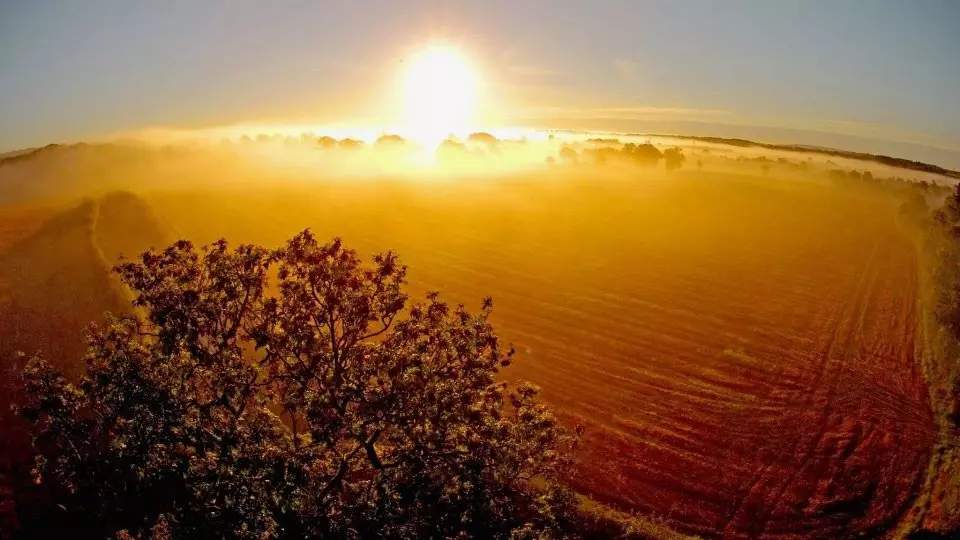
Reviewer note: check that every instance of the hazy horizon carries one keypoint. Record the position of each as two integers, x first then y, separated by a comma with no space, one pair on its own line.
879,80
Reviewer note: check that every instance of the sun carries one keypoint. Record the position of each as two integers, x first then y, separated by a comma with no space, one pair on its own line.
440,93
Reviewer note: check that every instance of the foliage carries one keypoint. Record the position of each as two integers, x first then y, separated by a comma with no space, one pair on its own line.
945,243
569,155
637,154
483,137
673,159
350,144
937,506
451,151
644,154
321,406
326,142
389,141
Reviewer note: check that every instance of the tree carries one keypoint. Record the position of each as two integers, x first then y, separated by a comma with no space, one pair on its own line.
673,159
915,204
644,154
482,137
320,406
568,155
350,144
390,141
603,155
452,151
325,142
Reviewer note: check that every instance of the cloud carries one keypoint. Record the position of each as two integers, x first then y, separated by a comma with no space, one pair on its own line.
628,113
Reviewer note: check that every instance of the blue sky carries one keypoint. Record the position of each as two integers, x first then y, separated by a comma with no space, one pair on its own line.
878,75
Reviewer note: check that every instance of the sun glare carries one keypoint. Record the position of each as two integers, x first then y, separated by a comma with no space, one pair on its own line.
439,95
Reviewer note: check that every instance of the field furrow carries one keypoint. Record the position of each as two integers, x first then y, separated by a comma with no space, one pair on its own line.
742,357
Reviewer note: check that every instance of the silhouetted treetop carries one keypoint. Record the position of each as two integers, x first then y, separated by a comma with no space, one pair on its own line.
390,141
326,142
644,154
673,159
483,137
568,155
351,144
314,403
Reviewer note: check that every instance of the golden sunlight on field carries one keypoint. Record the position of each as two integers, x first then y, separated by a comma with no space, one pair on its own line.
737,328
742,354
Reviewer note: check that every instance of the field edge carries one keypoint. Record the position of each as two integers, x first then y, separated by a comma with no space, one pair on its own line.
936,507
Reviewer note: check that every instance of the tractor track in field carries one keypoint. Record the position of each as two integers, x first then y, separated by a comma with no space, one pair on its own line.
757,517
856,312
752,513
749,377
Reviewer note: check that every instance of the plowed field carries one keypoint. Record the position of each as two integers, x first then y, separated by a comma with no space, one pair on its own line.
741,353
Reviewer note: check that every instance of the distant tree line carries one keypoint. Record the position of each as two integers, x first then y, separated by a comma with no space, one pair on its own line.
889,161
897,186
611,151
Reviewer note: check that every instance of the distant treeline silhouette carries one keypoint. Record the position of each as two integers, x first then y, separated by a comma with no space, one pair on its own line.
889,161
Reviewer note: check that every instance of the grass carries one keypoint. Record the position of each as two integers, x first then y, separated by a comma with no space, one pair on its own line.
937,506
599,521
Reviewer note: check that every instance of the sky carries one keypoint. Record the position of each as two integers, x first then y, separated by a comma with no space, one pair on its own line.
878,75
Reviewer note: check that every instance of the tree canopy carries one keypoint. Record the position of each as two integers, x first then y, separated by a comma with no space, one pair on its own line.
389,141
673,159
569,155
639,154
290,393
483,138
